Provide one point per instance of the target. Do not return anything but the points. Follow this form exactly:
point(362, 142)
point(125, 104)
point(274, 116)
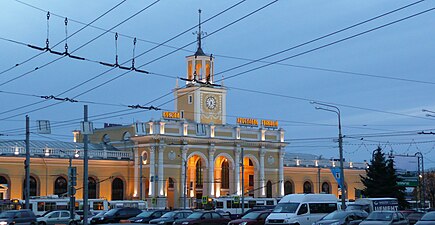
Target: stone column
point(161, 176)
point(211, 152)
point(136, 172)
point(262, 181)
point(152, 159)
point(183, 183)
point(281, 172)
point(237, 169)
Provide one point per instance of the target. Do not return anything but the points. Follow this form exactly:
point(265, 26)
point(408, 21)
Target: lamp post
point(72, 179)
point(421, 179)
point(335, 109)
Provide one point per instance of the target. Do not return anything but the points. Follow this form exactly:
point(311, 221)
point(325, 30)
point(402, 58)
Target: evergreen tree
point(381, 179)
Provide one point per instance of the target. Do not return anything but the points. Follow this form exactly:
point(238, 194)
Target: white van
point(302, 209)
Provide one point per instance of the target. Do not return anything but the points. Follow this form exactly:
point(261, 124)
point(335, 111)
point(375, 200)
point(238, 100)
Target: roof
point(54, 145)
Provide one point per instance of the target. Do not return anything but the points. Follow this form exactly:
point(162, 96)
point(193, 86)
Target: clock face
point(210, 102)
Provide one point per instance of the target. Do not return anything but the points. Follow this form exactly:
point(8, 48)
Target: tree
point(430, 186)
point(381, 179)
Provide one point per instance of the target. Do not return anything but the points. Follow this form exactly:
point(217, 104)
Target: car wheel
point(73, 223)
point(42, 223)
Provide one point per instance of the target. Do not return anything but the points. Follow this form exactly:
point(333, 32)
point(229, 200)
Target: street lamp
point(335, 109)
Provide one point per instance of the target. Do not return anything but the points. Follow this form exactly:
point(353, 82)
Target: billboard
point(407, 169)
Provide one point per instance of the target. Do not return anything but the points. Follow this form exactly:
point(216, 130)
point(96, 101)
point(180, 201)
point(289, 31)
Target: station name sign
point(171, 115)
point(270, 123)
point(247, 121)
point(254, 122)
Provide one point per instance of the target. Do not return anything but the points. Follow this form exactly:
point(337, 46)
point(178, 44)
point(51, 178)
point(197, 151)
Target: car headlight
point(335, 223)
point(101, 218)
point(186, 222)
point(243, 223)
point(3, 223)
point(162, 222)
point(138, 221)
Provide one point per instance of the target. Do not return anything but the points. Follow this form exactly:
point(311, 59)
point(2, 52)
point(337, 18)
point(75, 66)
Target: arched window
point(92, 188)
point(33, 187)
point(170, 183)
point(308, 188)
point(269, 189)
point(225, 175)
point(325, 188)
point(117, 189)
point(198, 181)
point(288, 188)
point(60, 186)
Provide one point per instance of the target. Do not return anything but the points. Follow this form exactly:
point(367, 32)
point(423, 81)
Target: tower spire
point(199, 34)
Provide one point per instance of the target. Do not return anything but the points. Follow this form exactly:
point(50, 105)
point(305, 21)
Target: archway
point(223, 175)
point(33, 187)
point(60, 186)
point(170, 186)
point(252, 185)
point(4, 188)
point(308, 187)
point(117, 189)
point(196, 176)
point(288, 187)
point(269, 189)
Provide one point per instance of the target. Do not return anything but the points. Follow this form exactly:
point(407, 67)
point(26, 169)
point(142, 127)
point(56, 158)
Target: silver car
point(385, 218)
point(58, 217)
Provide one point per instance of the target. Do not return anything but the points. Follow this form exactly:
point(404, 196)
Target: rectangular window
point(181, 114)
point(189, 99)
point(322, 207)
point(251, 180)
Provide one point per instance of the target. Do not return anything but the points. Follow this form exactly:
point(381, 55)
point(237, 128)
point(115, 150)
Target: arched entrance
point(196, 177)
point(269, 189)
point(170, 185)
point(223, 175)
point(117, 189)
point(308, 187)
point(60, 186)
point(92, 188)
point(4, 188)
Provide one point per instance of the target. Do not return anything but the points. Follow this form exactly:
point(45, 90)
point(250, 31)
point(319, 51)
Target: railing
point(64, 153)
point(323, 163)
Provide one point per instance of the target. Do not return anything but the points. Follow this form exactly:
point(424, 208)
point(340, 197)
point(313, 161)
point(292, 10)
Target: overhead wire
point(82, 28)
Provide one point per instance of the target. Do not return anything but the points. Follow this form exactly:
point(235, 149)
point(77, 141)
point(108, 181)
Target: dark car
point(197, 218)
point(252, 218)
point(169, 217)
point(116, 215)
point(427, 219)
point(146, 216)
point(414, 217)
point(96, 218)
point(18, 217)
point(385, 218)
point(343, 218)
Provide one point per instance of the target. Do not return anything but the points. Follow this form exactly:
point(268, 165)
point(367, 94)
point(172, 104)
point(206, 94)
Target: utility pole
point(421, 179)
point(243, 180)
point(85, 170)
point(185, 184)
point(72, 176)
point(27, 165)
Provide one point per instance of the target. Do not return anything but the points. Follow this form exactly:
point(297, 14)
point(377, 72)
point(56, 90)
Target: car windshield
point(112, 212)
point(168, 215)
point(251, 215)
point(145, 214)
point(100, 214)
point(335, 215)
point(428, 217)
point(380, 216)
point(7, 214)
point(195, 215)
point(288, 207)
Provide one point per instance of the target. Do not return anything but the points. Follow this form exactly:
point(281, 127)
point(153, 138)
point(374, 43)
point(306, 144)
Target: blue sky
point(386, 76)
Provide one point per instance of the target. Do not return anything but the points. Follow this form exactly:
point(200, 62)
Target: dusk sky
point(379, 73)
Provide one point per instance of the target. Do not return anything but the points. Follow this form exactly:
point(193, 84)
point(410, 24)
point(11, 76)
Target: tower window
point(190, 99)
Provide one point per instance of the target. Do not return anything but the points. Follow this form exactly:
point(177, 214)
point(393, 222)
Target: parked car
point(427, 219)
point(385, 218)
point(146, 216)
point(58, 217)
point(343, 218)
point(116, 215)
point(169, 217)
point(414, 217)
point(252, 218)
point(18, 217)
point(209, 218)
point(96, 217)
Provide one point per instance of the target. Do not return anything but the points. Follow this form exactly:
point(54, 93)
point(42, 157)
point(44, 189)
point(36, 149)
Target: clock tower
point(201, 100)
